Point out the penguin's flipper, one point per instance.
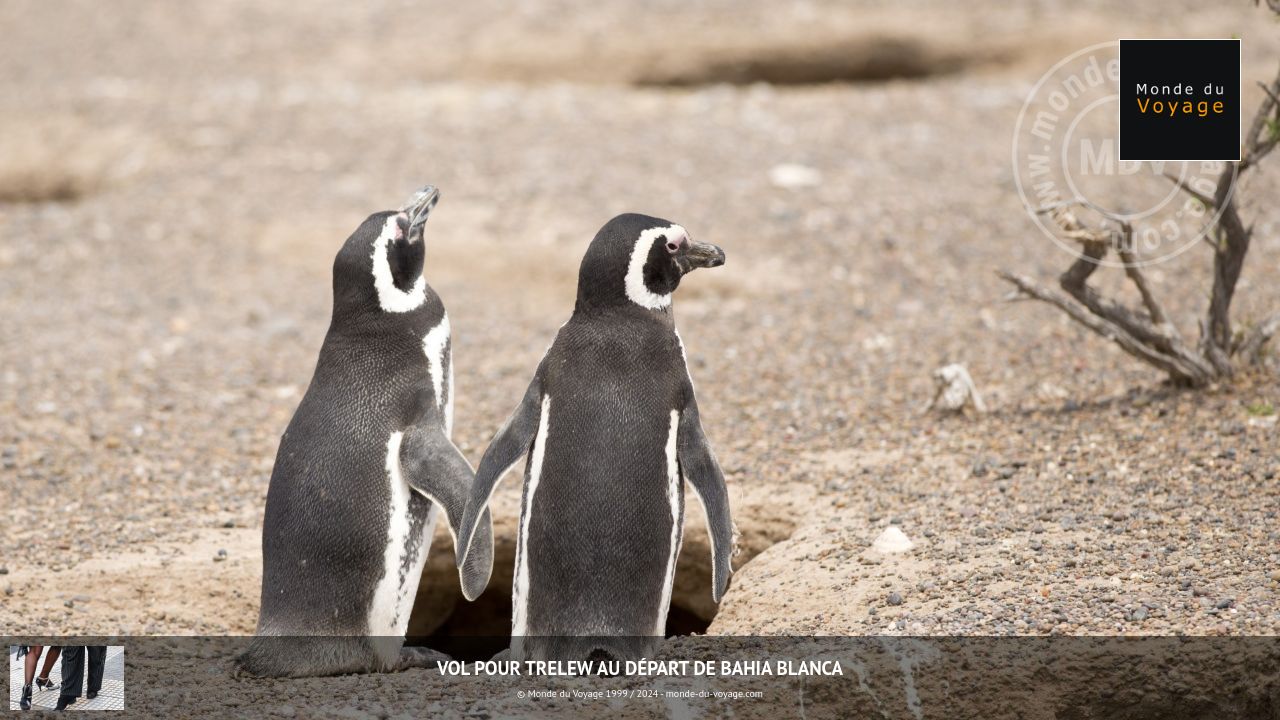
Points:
(699, 467)
(433, 466)
(509, 444)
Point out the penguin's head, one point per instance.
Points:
(380, 265)
(640, 259)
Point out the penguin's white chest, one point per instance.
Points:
(404, 555)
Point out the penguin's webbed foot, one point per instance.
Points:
(419, 657)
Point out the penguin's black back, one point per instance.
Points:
(328, 505)
(600, 518)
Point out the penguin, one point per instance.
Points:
(365, 469)
(611, 431)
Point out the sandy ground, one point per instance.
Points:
(175, 180)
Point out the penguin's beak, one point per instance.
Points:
(702, 255)
(418, 207)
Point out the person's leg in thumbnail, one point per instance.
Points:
(72, 675)
(50, 657)
(32, 653)
(97, 664)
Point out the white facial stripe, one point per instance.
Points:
(673, 497)
(636, 290)
(393, 596)
(520, 591)
(433, 346)
(390, 297)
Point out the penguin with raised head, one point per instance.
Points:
(365, 468)
(611, 429)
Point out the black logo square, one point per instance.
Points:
(1180, 99)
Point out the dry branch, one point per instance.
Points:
(1151, 336)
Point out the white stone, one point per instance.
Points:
(954, 390)
(892, 540)
(793, 177)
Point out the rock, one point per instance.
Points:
(892, 541)
(1224, 603)
(794, 177)
(954, 390)
(1275, 575)
(4, 570)
(222, 555)
(894, 598)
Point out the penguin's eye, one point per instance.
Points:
(672, 246)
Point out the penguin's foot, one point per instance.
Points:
(419, 657)
(25, 703)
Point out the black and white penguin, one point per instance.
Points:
(365, 468)
(611, 429)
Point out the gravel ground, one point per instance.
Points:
(170, 202)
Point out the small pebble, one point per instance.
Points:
(894, 598)
(222, 555)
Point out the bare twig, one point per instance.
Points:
(1208, 201)
(1186, 373)
(1154, 309)
(1269, 92)
(1260, 138)
(1067, 220)
(1251, 346)
(1074, 283)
